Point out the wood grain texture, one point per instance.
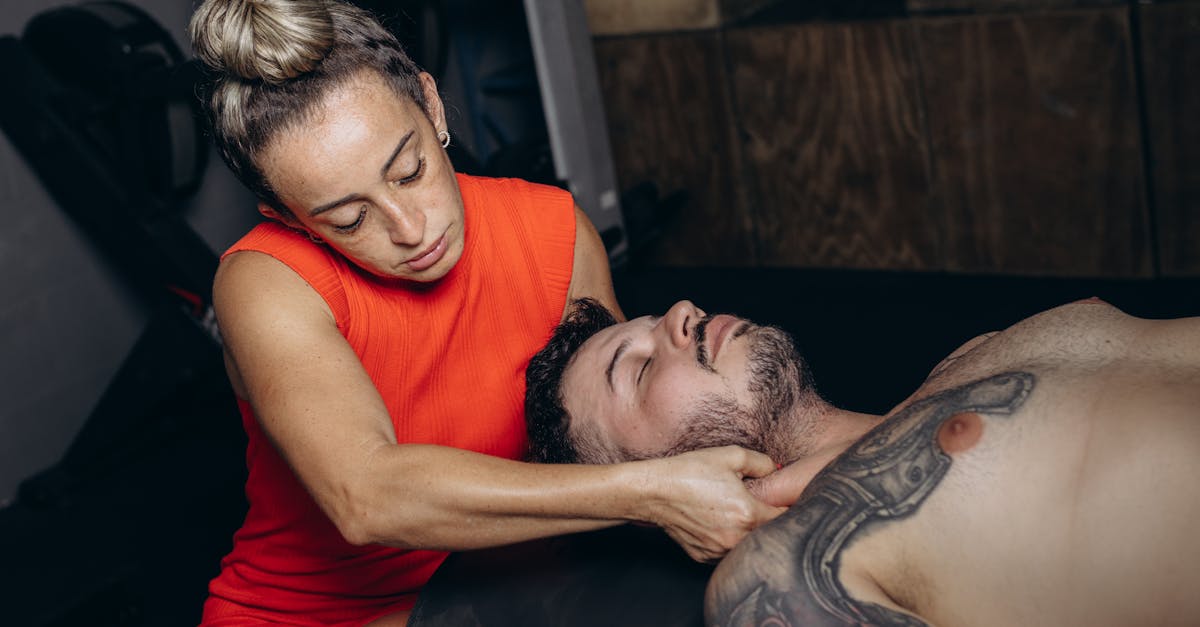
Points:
(1035, 141)
(835, 145)
(1171, 58)
(994, 6)
(626, 17)
(669, 121)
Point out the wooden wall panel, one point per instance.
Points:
(834, 145)
(992, 6)
(624, 17)
(1171, 57)
(667, 105)
(1035, 141)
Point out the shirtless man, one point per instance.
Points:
(1045, 474)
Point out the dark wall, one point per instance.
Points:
(68, 317)
(1015, 137)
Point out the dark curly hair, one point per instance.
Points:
(546, 420)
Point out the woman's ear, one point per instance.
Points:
(270, 212)
(287, 220)
(283, 217)
(433, 102)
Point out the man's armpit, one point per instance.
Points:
(958, 354)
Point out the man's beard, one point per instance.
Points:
(779, 380)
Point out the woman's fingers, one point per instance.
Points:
(752, 463)
(707, 508)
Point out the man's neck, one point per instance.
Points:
(805, 442)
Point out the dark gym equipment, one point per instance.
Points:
(130, 523)
(111, 128)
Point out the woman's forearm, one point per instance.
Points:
(436, 497)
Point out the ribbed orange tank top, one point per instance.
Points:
(448, 359)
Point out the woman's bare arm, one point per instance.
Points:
(321, 410)
(591, 276)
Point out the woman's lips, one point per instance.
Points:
(432, 255)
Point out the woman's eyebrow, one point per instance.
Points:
(624, 345)
(382, 174)
(396, 153)
(330, 205)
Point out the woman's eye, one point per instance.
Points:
(416, 174)
(349, 228)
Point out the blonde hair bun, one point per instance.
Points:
(269, 40)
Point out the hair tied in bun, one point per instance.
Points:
(269, 40)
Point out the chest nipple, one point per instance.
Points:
(960, 432)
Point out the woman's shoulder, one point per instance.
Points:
(268, 236)
(518, 191)
(290, 247)
(255, 272)
(252, 281)
(518, 208)
(275, 263)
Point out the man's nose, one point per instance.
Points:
(679, 323)
(405, 225)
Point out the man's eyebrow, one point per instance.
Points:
(382, 174)
(612, 364)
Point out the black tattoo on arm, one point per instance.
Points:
(786, 573)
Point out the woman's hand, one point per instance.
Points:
(785, 486)
(702, 502)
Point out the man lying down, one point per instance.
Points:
(1045, 474)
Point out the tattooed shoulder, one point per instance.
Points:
(787, 572)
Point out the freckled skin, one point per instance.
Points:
(960, 433)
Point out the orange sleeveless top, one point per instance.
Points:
(449, 360)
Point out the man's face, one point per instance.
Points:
(661, 385)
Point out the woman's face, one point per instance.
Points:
(366, 174)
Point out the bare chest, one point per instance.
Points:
(1073, 500)
(989, 495)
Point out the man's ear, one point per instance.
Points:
(433, 102)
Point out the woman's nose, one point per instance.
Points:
(406, 227)
(679, 323)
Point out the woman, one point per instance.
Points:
(377, 328)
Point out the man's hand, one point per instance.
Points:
(702, 502)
